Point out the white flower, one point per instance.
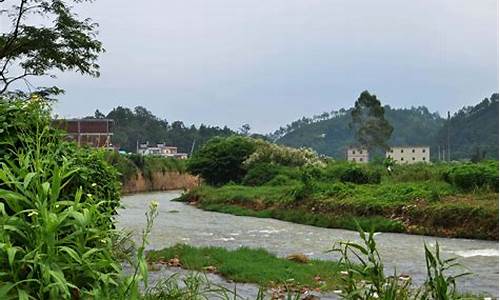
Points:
(89, 195)
(94, 184)
(337, 291)
(33, 213)
(344, 273)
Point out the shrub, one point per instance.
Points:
(282, 180)
(261, 174)
(359, 174)
(282, 155)
(473, 176)
(125, 166)
(220, 160)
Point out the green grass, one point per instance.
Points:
(422, 207)
(254, 266)
(378, 223)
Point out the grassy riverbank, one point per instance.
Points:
(251, 177)
(387, 207)
(258, 266)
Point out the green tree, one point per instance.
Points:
(220, 160)
(371, 129)
(63, 41)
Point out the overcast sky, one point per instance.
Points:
(270, 62)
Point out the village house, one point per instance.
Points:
(409, 154)
(358, 154)
(87, 132)
(160, 150)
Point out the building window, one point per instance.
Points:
(360, 151)
(413, 150)
(360, 159)
(388, 156)
(392, 150)
(423, 150)
(353, 151)
(423, 158)
(353, 159)
(413, 158)
(402, 150)
(402, 158)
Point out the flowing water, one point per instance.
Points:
(181, 223)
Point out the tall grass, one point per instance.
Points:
(51, 246)
(365, 277)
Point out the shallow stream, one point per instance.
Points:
(181, 223)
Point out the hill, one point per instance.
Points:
(473, 130)
(141, 125)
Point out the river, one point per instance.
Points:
(181, 223)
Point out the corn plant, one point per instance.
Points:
(438, 285)
(51, 246)
(364, 277)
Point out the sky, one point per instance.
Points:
(267, 63)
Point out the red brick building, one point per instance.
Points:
(91, 132)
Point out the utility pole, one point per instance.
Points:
(448, 142)
(192, 147)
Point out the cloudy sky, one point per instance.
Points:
(270, 62)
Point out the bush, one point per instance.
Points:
(261, 174)
(220, 160)
(282, 180)
(282, 155)
(473, 176)
(350, 172)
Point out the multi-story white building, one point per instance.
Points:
(409, 154)
(358, 154)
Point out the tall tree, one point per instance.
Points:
(34, 46)
(371, 129)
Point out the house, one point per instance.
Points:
(90, 132)
(160, 150)
(409, 154)
(357, 154)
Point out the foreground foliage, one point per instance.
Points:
(56, 213)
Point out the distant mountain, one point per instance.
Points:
(472, 130)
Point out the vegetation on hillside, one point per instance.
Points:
(473, 130)
(141, 126)
(456, 199)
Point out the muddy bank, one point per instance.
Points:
(159, 181)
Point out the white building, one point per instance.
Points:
(160, 150)
(358, 155)
(409, 154)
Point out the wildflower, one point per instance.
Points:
(154, 204)
(344, 273)
(103, 241)
(94, 184)
(337, 291)
(33, 213)
(89, 195)
(57, 205)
